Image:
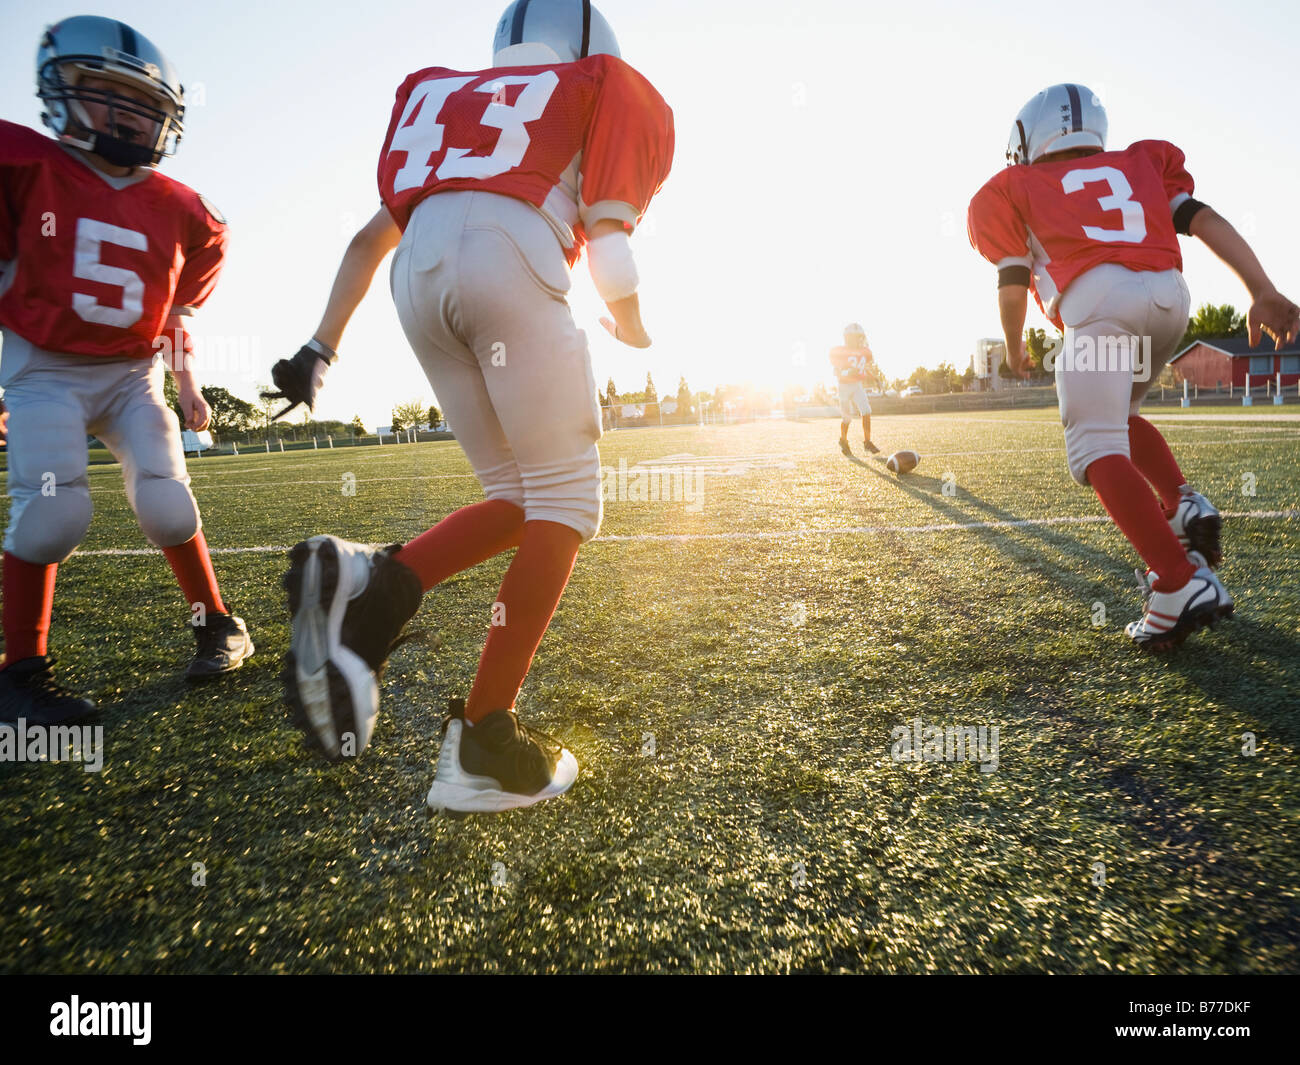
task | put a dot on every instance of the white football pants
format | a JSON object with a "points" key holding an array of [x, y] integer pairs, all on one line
{"points": [[54, 401], [1102, 375], [479, 281]]}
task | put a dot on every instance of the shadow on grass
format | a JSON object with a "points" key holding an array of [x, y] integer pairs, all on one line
{"points": [[929, 490]]}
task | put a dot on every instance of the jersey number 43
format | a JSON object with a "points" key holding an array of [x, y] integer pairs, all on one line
{"points": [[420, 132]]}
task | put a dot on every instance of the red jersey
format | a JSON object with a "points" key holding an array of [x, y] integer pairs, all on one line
{"points": [[853, 365], [92, 265], [1061, 219], [581, 141]]}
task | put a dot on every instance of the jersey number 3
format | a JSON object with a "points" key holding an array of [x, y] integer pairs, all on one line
{"points": [[1120, 199], [419, 133]]}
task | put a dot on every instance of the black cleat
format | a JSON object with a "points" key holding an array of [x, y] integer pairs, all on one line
{"points": [[349, 604], [498, 764], [870, 448], [223, 646], [844, 446], [28, 690], [1198, 526]]}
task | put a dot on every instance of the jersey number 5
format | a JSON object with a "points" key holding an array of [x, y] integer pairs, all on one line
{"points": [[419, 133], [1120, 199], [86, 264]]}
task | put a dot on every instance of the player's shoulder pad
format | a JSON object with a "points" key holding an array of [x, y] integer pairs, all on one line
{"points": [[19, 144], [612, 68], [211, 208], [195, 204], [1157, 149]]}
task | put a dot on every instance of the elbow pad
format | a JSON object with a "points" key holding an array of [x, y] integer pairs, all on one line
{"points": [[1183, 215], [609, 258], [1014, 275]]}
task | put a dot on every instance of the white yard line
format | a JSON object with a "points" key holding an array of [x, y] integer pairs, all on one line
{"points": [[775, 534], [1193, 417]]}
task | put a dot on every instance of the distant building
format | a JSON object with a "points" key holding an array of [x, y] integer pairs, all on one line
{"points": [[192, 441], [1217, 362], [988, 358]]}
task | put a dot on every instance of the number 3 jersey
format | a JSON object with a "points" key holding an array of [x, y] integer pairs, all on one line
{"points": [[93, 266], [1060, 219], [580, 141]]}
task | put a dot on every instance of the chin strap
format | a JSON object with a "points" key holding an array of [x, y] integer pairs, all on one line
{"points": [[122, 153]]}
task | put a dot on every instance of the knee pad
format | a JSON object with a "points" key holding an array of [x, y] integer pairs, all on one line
{"points": [[166, 510], [1085, 444], [46, 529], [567, 492], [503, 482]]}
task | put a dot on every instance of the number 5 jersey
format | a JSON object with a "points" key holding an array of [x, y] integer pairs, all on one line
{"points": [[1062, 218], [580, 141], [91, 264]]}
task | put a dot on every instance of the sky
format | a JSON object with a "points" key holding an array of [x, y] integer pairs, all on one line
{"points": [[826, 153]]}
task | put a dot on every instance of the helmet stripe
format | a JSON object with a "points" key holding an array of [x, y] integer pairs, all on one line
{"points": [[129, 44], [517, 25], [586, 28], [1076, 109]]}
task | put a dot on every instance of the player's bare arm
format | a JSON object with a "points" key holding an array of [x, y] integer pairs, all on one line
{"points": [[1013, 305], [625, 324], [300, 377], [365, 252], [197, 412], [1270, 311]]}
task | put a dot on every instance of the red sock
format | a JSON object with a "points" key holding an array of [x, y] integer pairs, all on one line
{"points": [[1128, 499], [192, 565], [462, 539], [529, 595], [1154, 460], [29, 600]]}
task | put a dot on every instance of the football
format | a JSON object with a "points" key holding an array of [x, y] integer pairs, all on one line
{"points": [[903, 461]]}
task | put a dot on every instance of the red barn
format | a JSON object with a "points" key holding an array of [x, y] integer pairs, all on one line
{"points": [[1217, 362]]}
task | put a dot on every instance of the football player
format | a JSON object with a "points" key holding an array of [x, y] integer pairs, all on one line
{"points": [[101, 259], [492, 183], [1093, 233], [854, 365]]}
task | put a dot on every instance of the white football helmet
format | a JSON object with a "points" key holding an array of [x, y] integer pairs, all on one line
{"points": [[1058, 118], [533, 32], [855, 336], [91, 46]]}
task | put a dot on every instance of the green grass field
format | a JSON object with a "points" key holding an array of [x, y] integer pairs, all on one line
{"points": [[728, 672]]}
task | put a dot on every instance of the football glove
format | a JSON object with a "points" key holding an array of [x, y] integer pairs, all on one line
{"points": [[300, 377]]}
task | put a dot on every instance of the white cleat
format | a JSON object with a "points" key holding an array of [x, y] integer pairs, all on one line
{"points": [[1170, 617]]}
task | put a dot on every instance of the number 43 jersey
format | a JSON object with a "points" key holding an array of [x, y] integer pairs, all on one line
{"points": [[91, 265], [580, 141], [1061, 219]]}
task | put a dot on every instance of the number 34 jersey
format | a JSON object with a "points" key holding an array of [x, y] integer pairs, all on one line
{"points": [[1061, 219], [580, 141], [90, 266]]}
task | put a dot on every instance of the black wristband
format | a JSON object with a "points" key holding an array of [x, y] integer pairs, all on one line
{"points": [[1184, 215], [1013, 275]]}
